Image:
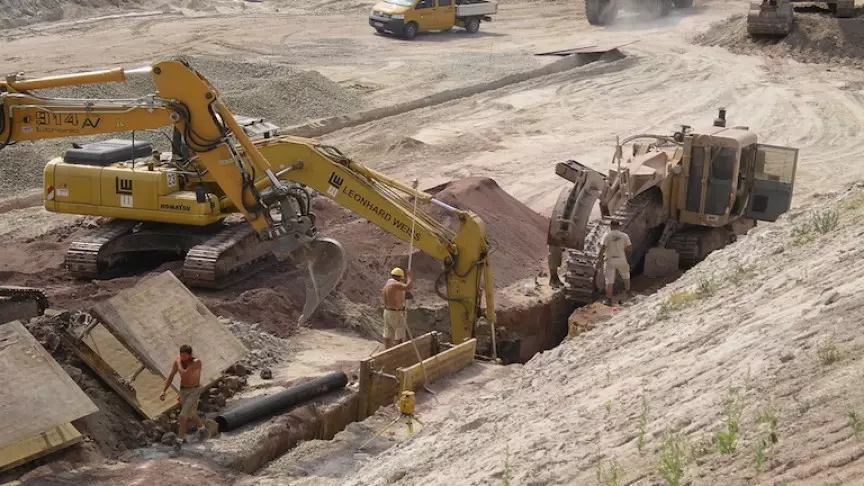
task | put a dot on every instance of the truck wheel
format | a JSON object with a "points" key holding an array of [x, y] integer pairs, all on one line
{"points": [[683, 3], [601, 12], [472, 25], [410, 30]]}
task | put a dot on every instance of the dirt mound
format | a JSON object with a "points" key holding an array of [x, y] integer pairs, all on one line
{"points": [[275, 91], [517, 237], [815, 38]]}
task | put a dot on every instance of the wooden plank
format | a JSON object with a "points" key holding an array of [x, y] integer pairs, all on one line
{"points": [[376, 391], [438, 366], [107, 356], [402, 354], [159, 314], [363, 389], [26, 450], [37, 394]]}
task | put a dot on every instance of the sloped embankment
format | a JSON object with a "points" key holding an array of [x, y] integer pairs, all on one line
{"points": [[749, 362]]}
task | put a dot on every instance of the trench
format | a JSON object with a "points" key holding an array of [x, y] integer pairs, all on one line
{"points": [[527, 325], [531, 325]]}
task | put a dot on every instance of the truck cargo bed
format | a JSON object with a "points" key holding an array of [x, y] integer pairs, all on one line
{"points": [[475, 8]]}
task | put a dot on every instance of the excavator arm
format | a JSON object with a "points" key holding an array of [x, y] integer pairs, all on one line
{"points": [[260, 179], [464, 253]]}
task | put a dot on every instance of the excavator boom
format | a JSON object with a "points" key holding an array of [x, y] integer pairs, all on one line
{"points": [[227, 172]]}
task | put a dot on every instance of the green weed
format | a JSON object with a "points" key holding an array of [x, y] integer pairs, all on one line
{"points": [[506, 479], [705, 287], [741, 273], [673, 459], [760, 454], [768, 417], [828, 353], [727, 440], [818, 223], [856, 424], [611, 476]]}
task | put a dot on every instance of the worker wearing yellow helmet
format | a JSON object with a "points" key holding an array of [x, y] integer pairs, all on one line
{"points": [[393, 295]]}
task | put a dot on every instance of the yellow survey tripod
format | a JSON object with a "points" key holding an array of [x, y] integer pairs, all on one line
{"points": [[406, 404]]}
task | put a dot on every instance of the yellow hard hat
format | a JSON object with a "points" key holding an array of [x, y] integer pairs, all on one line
{"points": [[397, 272]]}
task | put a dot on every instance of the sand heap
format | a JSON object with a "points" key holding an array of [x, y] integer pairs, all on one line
{"points": [[517, 236], [763, 337], [816, 36]]}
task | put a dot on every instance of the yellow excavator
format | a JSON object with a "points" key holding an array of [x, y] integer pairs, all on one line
{"points": [[223, 165]]}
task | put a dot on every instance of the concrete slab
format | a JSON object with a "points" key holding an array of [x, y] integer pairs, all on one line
{"points": [[158, 315], [37, 395]]}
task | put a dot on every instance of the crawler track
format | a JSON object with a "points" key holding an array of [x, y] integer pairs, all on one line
{"points": [[638, 219], [215, 257]]}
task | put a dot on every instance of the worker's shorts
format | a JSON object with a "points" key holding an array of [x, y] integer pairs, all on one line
{"points": [[189, 401], [395, 324], [620, 266]]}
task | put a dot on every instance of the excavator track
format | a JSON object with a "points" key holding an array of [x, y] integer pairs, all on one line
{"points": [[695, 244], [582, 265], [214, 257], [83, 256], [234, 254]]}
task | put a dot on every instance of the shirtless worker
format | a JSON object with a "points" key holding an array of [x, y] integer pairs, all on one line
{"points": [[189, 368], [393, 295], [615, 246]]}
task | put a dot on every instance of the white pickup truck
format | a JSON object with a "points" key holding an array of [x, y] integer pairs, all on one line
{"points": [[408, 17]]}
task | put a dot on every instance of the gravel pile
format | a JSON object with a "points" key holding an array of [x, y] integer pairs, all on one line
{"points": [[274, 91], [265, 349]]}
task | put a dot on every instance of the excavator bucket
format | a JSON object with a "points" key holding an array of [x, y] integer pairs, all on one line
{"points": [[770, 18], [324, 262]]}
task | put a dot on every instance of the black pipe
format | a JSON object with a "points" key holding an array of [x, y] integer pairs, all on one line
{"points": [[271, 404]]}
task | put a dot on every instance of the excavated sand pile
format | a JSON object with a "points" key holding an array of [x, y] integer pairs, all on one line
{"points": [[816, 37], [517, 237], [762, 337], [275, 91]]}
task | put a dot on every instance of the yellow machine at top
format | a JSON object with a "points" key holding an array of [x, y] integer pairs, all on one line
{"points": [[222, 165]]}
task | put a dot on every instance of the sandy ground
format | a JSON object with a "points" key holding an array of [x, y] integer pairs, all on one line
{"points": [[572, 408], [763, 331]]}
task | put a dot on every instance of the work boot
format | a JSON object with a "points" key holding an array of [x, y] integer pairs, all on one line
{"points": [[554, 281], [202, 434], [607, 301]]}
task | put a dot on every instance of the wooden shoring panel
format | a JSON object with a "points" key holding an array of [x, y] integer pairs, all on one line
{"points": [[159, 314], [37, 394], [376, 388], [34, 447], [438, 366], [114, 363]]}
